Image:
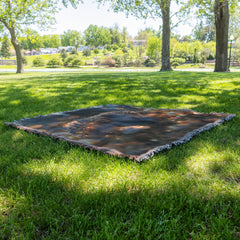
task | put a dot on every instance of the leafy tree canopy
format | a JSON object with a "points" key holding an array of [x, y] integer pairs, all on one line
{"points": [[97, 36], [5, 49], [72, 38], [22, 13]]}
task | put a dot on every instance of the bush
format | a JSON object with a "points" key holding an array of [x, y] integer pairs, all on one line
{"points": [[126, 59], [105, 52], [96, 50], [97, 62], [38, 62], [76, 62], [115, 46], [24, 60], [178, 60], [138, 62], [86, 52], [118, 52], [109, 61], [68, 60], [203, 59], [175, 64], [54, 62], [63, 54], [74, 51], [73, 61], [119, 60], [125, 50], [109, 48], [150, 62]]}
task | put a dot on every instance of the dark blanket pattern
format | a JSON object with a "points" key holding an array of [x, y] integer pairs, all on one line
{"points": [[125, 131]]}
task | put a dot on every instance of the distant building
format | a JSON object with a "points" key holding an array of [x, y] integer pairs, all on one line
{"points": [[48, 50], [82, 48], [67, 48]]}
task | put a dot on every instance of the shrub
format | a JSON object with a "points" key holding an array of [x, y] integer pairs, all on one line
{"points": [[63, 54], [130, 63], [97, 62], [68, 60], [109, 61], [74, 51], [150, 62], [203, 59], [96, 50], [76, 62], [178, 60], [115, 46], [118, 52], [126, 58], [54, 62], [38, 62], [175, 64], [125, 50], [24, 60], [86, 52], [109, 48], [119, 60], [105, 52], [138, 62]]}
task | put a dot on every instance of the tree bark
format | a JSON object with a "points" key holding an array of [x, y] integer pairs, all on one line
{"points": [[165, 8], [221, 12], [17, 48]]}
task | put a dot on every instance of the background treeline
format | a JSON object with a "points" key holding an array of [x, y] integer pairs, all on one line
{"points": [[115, 47]]}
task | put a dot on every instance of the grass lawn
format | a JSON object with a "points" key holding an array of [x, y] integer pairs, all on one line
{"points": [[53, 190]]}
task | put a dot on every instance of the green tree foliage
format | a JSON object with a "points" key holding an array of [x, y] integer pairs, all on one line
{"points": [[154, 48], [124, 36], [234, 25], [205, 33], [220, 10], [97, 36], [31, 40], [193, 50], [145, 34], [5, 49], [63, 54], [17, 15], [35, 41], [72, 38], [51, 41], [115, 35], [144, 9], [86, 52], [74, 51], [96, 50]]}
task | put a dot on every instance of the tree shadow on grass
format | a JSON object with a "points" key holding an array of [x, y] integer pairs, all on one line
{"points": [[39, 95], [43, 205], [110, 198]]}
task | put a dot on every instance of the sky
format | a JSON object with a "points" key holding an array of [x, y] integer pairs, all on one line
{"points": [[88, 13]]}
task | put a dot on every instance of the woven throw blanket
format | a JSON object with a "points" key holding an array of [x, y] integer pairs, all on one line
{"points": [[125, 131]]}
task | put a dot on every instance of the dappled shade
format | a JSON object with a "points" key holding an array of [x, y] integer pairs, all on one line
{"points": [[125, 131]]}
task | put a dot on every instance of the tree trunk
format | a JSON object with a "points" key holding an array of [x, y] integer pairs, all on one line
{"points": [[165, 8], [221, 12], [17, 48]]}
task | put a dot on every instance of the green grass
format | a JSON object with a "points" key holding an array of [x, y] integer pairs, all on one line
{"points": [[53, 190]]}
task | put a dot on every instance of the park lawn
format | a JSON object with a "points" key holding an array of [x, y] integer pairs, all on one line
{"points": [[53, 190]]}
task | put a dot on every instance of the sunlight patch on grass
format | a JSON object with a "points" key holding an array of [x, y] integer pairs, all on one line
{"points": [[52, 189]]}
